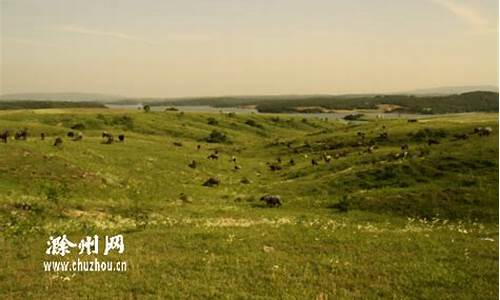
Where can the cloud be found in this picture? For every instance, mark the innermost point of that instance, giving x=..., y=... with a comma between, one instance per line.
x=28, y=42
x=183, y=37
x=466, y=12
x=111, y=34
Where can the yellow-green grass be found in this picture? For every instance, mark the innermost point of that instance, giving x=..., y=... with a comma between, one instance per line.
x=417, y=227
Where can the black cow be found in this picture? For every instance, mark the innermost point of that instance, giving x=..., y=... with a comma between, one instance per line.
x=4, y=135
x=213, y=156
x=271, y=200
x=21, y=135
x=273, y=167
x=212, y=181
x=432, y=142
x=58, y=142
x=192, y=165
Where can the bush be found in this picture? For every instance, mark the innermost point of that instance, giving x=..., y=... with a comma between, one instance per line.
x=212, y=121
x=78, y=126
x=125, y=121
x=253, y=124
x=217, y=137
x=353, y=117
x=343, y=205
x=427, y=133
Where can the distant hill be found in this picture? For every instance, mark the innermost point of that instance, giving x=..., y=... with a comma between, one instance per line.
x=80, y=97
x=37, y=104
x=452, y=90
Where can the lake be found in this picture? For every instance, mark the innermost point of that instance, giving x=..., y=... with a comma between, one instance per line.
x=331, y=115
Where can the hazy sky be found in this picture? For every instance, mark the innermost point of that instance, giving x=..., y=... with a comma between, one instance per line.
x=226, y=47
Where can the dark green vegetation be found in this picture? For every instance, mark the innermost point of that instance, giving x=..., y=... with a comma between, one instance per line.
x=467, y=102
x=34, y=104
x=374, y=222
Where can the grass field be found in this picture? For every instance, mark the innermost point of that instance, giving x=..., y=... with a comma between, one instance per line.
x=421, y=225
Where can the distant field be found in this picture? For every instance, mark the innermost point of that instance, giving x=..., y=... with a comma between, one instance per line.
x=376, y=221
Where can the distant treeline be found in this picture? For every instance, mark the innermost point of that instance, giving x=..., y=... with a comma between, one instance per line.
x=467, y=102
x=31, y=104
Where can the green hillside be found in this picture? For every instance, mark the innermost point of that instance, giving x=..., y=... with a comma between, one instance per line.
x=376, y=221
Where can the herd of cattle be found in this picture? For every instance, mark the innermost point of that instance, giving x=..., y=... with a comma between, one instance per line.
x=22, y=135
x=270, y=200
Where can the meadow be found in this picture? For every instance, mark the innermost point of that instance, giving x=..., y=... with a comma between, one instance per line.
x=376, y=221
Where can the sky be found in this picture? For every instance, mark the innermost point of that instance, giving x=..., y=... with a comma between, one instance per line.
x=181, y=48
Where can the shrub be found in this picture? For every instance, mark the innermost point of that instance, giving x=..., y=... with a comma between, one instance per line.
x=212, y=121
x=343, y=205
x=253, y=124
x=217, y=137
x=125, y=121
x=427, y=133
x=353, y=117
x=78, y=126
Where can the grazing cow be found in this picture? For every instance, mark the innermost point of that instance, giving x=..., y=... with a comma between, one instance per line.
x=432, y=142
x=233, y=158
x=404, y=147
x=383, y=136
x=213, y=156
x=192, y=165
x=212, y=181
x=177, y=144
x=4, y=136
x=198, y=147
x=314, y=162
x=361, y=135
x=108, y=138
x=71, y=134
x=271, y=200
x=245, y=180
x=58, y=142
x=42, y=136
x=78, y=137
x=275, y=167
x=461, y=136
x=121, y=138
x=278, y=160
x=483, y=131
x=21, y=135
x=412, y=120
x=371, y=148
x=236, y=167
x=402, y=154
x=292, y=162
x=327, y=158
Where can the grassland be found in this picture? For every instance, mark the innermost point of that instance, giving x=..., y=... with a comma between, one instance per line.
x=424, y=226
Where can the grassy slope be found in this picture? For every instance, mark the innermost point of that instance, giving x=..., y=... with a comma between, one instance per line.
x=213, y=247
